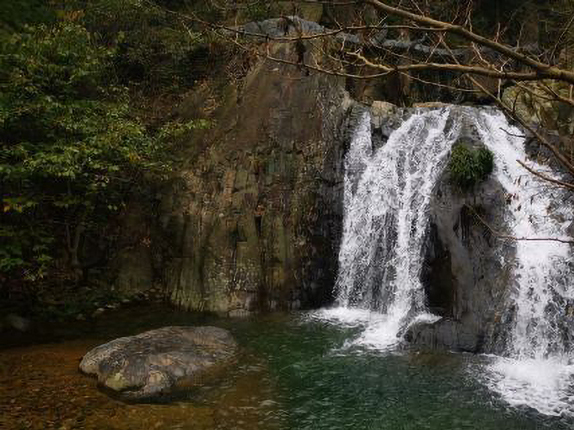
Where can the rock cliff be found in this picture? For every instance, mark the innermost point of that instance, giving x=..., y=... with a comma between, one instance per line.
x=252, y=221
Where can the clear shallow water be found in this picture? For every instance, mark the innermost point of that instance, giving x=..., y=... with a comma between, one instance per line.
x=296, y=371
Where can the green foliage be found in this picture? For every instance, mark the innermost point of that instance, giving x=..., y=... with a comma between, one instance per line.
x=153, y=47
x=258, y=10
x=470, y=166
x=15, y=14
x=71, y=151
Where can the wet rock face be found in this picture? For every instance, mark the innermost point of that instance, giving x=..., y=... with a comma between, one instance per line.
x=159, y=362
x=385, y=119
x=253, y=221
x=535, y=109
x=446, y=334
x=467, y=271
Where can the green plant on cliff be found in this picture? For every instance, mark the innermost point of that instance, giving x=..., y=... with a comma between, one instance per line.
x=468, y=167
x=71, y=150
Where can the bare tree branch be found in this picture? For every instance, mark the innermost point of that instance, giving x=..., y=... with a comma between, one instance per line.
x=475, y=70
x=542, y=70
x=540, y=138
x=546, y=177
x=500, y=235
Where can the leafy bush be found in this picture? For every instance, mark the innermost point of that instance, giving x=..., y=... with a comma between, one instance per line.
x=71, y=151
x=470, y=166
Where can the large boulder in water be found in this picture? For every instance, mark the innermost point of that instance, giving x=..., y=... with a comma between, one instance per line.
x=161, y=361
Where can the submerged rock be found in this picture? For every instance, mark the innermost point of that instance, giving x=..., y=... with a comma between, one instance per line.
x=18, y=323
x=159, y=362
x=446, y=335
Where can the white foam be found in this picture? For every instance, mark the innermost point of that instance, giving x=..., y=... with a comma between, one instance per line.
x=386, y=199
x=538, y=373
x=346, y=317
x=379, y=332
x=544, y=385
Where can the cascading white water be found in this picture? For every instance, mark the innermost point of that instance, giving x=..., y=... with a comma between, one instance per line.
x=540, y=363
x=387, y=194
x=386, y=199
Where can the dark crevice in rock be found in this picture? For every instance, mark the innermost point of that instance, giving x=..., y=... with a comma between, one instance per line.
x=437, y=277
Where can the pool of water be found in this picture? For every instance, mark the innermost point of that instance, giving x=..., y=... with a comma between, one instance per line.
x=295, y=371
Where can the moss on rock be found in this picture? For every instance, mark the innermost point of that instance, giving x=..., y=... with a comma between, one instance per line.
x=469, y=166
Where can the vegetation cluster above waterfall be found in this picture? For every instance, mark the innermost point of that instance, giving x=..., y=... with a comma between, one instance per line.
x=469, y=166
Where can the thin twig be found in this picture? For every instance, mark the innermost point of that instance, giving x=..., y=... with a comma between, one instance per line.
x=500, y=235
x=546, y=177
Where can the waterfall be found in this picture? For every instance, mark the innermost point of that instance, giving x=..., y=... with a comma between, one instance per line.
x=386, y=198
x=540, y=362
x=387, y=195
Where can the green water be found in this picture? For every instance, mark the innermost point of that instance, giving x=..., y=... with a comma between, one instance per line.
x=295, y=372
x=325, y=386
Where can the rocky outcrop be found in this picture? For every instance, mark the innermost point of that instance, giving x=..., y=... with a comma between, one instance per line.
x=252, y=221
x=444, y=335
x=467, y=272
x=294, y=25
x=160, y=362
x=534, y=104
